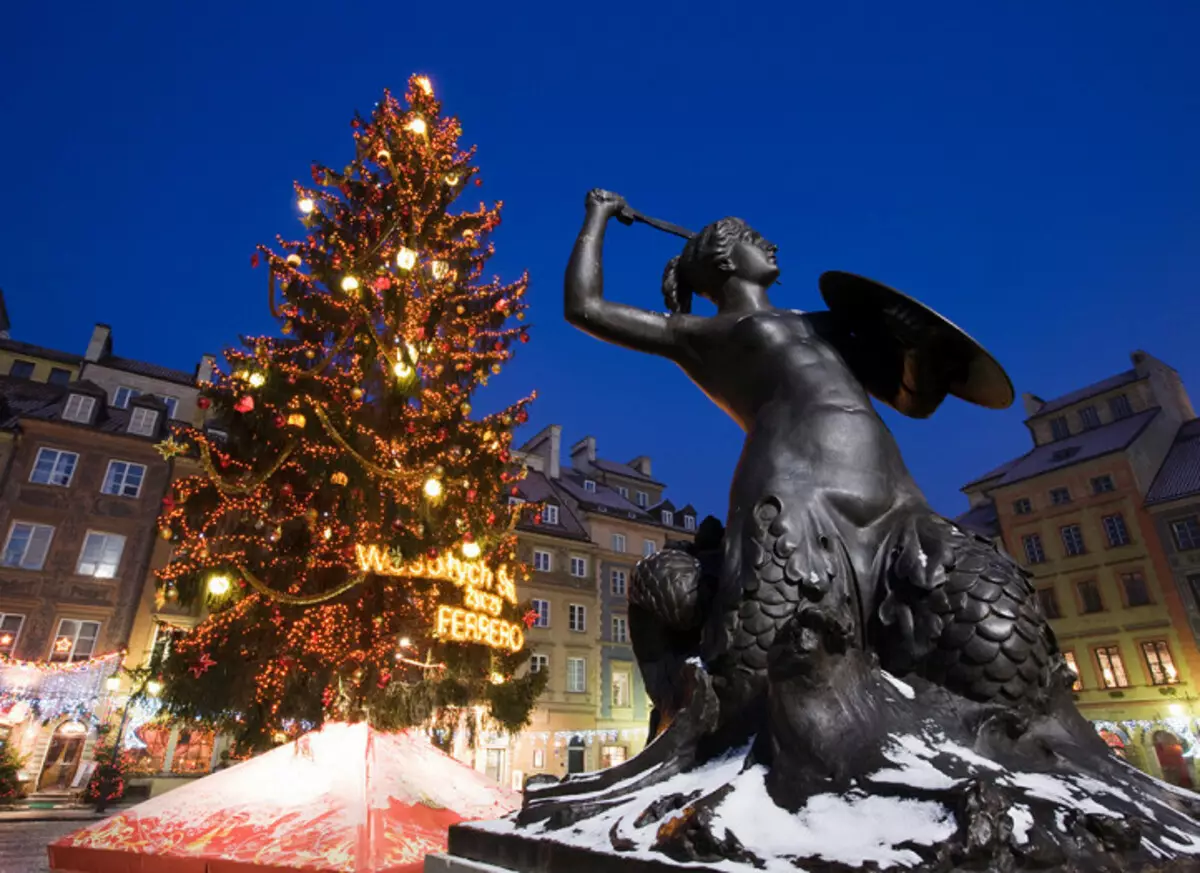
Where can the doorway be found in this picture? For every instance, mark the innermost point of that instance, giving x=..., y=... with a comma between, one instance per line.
x=494, y=764
x=576, y=751
x=62, y=758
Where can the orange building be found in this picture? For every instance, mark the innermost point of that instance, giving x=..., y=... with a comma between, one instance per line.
x=1074, y=511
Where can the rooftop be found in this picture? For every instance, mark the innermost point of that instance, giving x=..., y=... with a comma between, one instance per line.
x=981, y=520
x=1180, y=473
x=618, y=469
x=29, y=349
x=154, y=371
x=1112, y=382
x=23, y=399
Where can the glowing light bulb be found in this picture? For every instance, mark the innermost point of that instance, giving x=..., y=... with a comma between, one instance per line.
x=293, y=260
x=405, y=642
x=452, y=180
x=154, y=688
x=433, y=488
x=402, y=370
x=425, y=85
x=1176, y=709
x=417, y=126
x=306, y=205
x=470, y=550
x=406, y=259
x=497, y=679
x=218, y=584
x=349, y=283
x=327, y=533
x=257, y=380
x=438, y=269
x=112, y=683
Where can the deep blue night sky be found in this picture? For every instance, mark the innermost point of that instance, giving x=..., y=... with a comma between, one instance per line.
x=1029, y=170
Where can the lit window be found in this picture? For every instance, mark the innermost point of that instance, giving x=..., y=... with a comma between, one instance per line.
x=576, y=675
x=143, y=421
x=1089, y=597
x=1049, y=603
x=21, y=369
x=538, y=663
x=1115, y=530
x=550, y=515
x=643, y=499
x=1161, y=664
x=1069, y=657
x=54, y=467
x=124, y=479
x=611, y=756
x=542, y=561
x=27, y=545
x=542, y=610
x=577, y=617
x=618, y=542
x=1034, y=553
x=668, y=517
x=589, y=486
x=578, y=566
x=101, y=555
x=1089, y=418
x=75, y=641
x=620, y=629
x=539, y=759
x=1072, y=540
x=649, y=547
x=10, y=630
x=1119, y=406
x=1022, y=506
x=1112, y=667
x=1059, y=429
x=620, y=689
x=123, y=395
x=79, y=408
x=1187, y=533
x=618, y=582
x=1059, y=496
x=1136, y=592
x=1103, y=484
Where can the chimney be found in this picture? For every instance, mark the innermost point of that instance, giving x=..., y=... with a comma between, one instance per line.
x=583, y=453
x=100, y=344
x=546, y=444
x=1033, y=404
x=5, y=324
x=204, y=371
x=642, y=464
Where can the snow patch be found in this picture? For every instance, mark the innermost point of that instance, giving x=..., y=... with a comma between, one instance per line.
x=915, y=768
x=1191, y=846
x=1022, y=822
x=1055, y=790
x=903, y=687
x=949, y=748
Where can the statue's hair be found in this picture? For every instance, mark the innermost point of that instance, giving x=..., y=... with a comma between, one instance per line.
x=712, y=248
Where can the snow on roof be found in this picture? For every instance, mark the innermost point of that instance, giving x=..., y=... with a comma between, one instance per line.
x=1065, y=400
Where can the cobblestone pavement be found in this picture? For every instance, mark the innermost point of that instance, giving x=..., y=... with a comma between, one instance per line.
x=23, y=844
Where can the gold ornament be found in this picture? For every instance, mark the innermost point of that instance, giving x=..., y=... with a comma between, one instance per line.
x=425, y=85
x=466, y=408
x=433, y=488
x=439, y=269
x=384, y=155
x=168, y=448
x=296, y=420
x=406, y=259
x=417, y=126
x=257, y=380
x=164, y=532
x=460, y=309
x=349, y=284
x=452, y=180
x=496, y=369
x=357, y=393
x=520, y=316
x=310, y=354
x=287, y=328
x=339, y=478
x=293, y=260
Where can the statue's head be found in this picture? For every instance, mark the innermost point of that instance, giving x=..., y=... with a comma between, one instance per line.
x=726, y=249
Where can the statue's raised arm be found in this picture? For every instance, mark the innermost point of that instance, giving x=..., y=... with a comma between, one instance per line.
x=583, y=298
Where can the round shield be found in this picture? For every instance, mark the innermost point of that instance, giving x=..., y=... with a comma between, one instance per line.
x=868, y=306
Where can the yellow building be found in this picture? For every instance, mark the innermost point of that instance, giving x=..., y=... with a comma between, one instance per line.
x=1073, y=511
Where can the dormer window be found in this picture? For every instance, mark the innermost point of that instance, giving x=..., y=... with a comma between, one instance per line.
x=643, y=499
x=79, y=408
x=589, y=486
x=668, y=517
x=515, y=501
x=689, y=522
x=550, y=514
x=143, y=421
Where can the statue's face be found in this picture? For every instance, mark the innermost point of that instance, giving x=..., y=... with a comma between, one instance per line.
x=755, y=262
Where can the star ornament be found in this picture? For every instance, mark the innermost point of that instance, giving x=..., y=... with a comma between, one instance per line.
x=169, y=448
x=201, y=666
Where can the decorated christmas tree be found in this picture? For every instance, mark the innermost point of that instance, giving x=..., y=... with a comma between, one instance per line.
x=351, y=533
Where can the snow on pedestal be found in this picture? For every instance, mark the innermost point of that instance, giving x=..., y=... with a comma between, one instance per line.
x=345, y=798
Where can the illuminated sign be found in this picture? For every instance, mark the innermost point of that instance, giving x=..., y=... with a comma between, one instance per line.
x=484, y=592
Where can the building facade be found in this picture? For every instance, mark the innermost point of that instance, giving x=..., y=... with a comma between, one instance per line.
x=1073, y=510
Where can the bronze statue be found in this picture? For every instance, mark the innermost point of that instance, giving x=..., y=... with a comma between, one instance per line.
x=836, y=620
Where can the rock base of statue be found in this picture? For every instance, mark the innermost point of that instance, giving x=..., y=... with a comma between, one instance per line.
x=933, y=783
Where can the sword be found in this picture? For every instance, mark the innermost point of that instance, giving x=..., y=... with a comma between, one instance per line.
x=629, y=216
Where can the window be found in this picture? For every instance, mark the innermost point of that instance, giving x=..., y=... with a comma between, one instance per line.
x=27, y=545
x=542, y=608
x=165, y=638
x=620, y=689
x=611, y=756
x=1136, y=592
x=1115, y=531
x=1059, y=496
x=1103, y=484
x=1022, y=506
x=123, y=395
x=1119, y=406
x=541, y=561
x=576, y=675
x=1069, y=657
x=589, y=486
x=623, y=491
x=577, y=617
x=21, y=370
x=618, y=542
x=79, y=408
x=124, y=479
x=1161, y=664
x=54, y=467
x=101, y=555
x=648, y=548
x=620, y=629
x=539, y=663
x=75, y=641
x=539, y=759
x=668, y=517
x=578, y=567
x=512, y=500
x=172, y=404
x=1089, y=596
x=1048, y=600
x=689, y=522
x=1072, y=540
x=617, y=581
x=143, y=421
x=1034, y=553
x=1089, y=418
x=550, y=514
x=643, y=500
x=10, y=629
x=1187, y=533
x=1112, y=667
x=59, y=376
x=1059, y=429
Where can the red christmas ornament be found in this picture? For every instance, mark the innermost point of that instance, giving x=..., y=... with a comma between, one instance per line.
x=501, y=305
x=498, y=346
x=530, y=617
x=203, y=402
x=432, y=553
x=522, y=417
x=168, y=504
x=478, y=181
x=397, y=524
x=412, y=427
x=524, y=337
x=278, y=420
x=514, y=491
x=504, y=456
x=254, y=260
x=537, y=519
x=470, y=495
x=491, y=518
x=244, y=404
x=383, y=283
x=286, y=489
